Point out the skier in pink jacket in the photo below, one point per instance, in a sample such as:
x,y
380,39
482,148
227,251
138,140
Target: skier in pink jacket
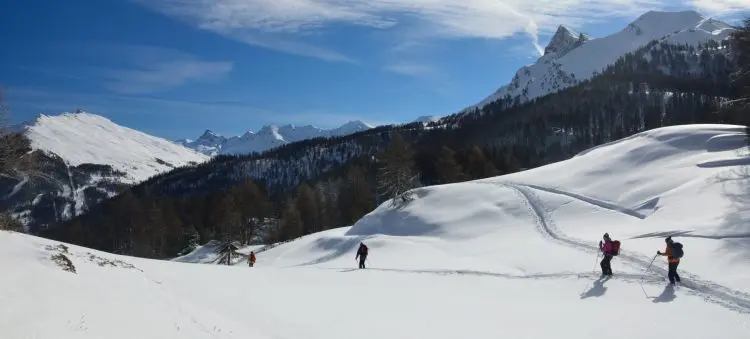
x,y
606,249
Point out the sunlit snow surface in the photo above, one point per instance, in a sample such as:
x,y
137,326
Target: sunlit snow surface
x,y
505,257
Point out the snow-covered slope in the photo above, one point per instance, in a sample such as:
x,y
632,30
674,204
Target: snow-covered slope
x,y
266,138
84,138
467,260
572,57
691,182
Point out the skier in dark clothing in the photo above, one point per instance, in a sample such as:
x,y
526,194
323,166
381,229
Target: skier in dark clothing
x,y
672,261
606,249
362,255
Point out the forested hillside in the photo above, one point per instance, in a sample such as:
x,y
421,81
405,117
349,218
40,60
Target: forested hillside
x,y
323,183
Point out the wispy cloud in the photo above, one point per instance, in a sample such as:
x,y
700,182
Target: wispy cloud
x,y
293,47
282,24
721,7
144,69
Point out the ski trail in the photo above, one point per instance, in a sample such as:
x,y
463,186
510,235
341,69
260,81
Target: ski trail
x,y
712,292
560,275
593,201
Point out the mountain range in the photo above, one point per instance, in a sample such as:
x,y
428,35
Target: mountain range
x,y
266,138
88,158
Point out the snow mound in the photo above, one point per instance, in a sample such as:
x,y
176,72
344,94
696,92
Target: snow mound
x,y
85,138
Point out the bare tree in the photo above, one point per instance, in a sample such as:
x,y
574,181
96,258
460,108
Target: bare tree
x,y
396,174
13,162
8,223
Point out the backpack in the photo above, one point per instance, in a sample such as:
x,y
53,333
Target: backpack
x,y
363,250
677,250
615,247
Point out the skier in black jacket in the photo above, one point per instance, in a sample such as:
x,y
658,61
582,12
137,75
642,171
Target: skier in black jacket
x,y
362,255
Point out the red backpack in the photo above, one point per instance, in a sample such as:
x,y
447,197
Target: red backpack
x,y
615,247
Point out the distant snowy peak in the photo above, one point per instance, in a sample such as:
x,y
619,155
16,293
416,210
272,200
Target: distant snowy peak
x,y
351,127
85,138
564,40
269,136
427,119
572,57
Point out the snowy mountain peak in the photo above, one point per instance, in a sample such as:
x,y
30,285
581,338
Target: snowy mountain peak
x,y
87,138
209,134
427,118
269,130
350,127
564,40
572,57
663,23
247,134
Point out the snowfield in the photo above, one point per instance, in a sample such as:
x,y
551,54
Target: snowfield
x,y
511,256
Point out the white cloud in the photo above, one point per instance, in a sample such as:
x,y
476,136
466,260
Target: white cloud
x,y
721,7
280,20
151,69
293,47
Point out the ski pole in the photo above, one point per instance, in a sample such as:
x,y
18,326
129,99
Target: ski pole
x,y
648,267
595,261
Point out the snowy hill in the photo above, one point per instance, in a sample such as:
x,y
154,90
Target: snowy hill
x,y
84,138
83,158
572,57
266,138
691,182
471,259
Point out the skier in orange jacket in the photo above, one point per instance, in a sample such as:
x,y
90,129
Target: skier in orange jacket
x,y
671,260
251,259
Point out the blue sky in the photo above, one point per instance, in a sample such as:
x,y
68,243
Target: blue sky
x,y
173,68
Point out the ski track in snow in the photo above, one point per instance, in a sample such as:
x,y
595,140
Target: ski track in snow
x,y
593,201
712,292
560,275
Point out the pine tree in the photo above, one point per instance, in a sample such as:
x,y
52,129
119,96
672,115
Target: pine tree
x,y
356,196
227,252
479,167
308,207
396,174
290,224
739,109
740,41
449,171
